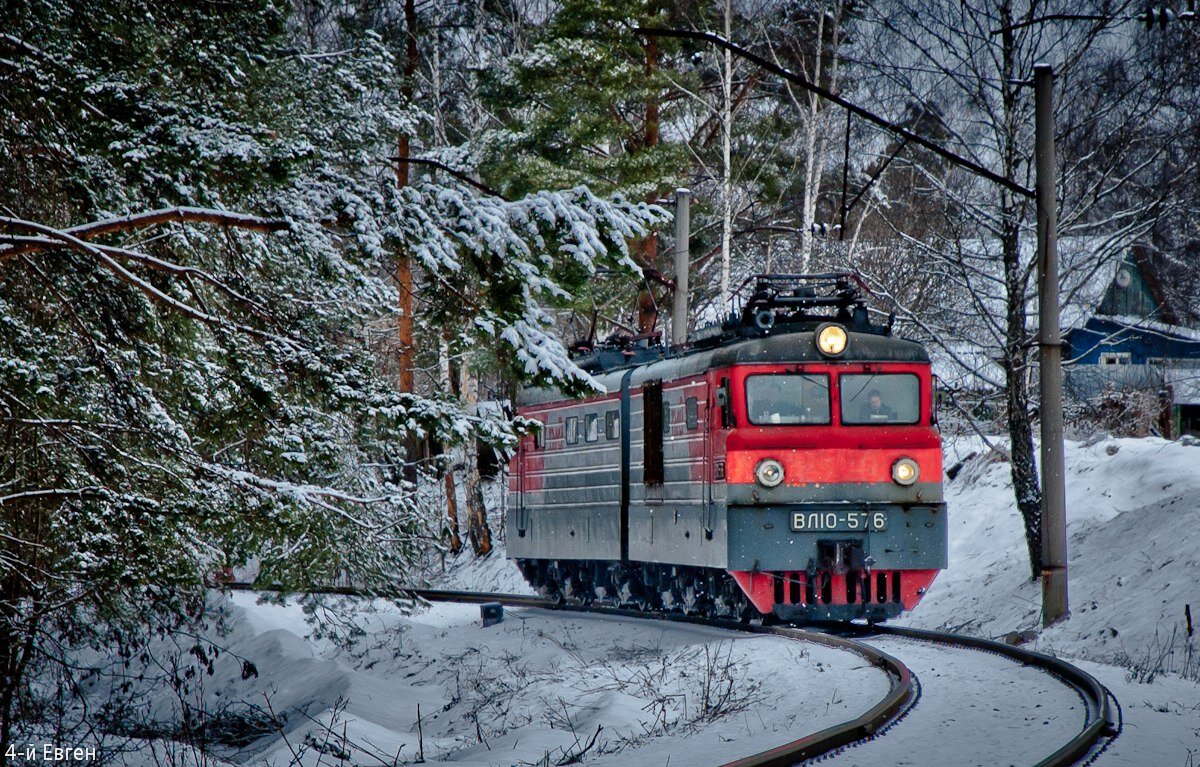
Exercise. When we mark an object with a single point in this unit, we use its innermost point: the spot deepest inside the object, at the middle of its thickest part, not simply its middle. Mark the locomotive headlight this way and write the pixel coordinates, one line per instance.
(831, 340)
(769, 472)
(905, 471)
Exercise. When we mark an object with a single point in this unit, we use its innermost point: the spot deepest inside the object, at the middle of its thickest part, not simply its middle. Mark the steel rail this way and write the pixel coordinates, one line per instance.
(902, 692)
(1098, 721)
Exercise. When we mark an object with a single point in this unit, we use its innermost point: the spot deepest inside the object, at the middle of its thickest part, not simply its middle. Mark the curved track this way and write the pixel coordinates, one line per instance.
(1097, 712)
(904, 688)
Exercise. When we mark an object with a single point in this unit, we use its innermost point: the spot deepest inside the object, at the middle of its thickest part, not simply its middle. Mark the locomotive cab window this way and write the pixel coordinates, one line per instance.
(880, 398)
(787, 399)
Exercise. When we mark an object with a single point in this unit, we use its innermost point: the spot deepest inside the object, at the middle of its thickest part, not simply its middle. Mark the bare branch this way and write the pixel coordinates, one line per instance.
(136, 221)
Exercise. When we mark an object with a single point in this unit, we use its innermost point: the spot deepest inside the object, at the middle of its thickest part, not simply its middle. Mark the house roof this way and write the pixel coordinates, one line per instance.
(1144, 325)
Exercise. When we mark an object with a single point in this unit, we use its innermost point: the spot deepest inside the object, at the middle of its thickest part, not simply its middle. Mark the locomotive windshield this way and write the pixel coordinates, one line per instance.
(887, 398)
(787, 399)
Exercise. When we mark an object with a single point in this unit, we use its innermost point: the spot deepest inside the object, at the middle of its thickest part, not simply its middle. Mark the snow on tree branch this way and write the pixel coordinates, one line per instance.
(136, 221)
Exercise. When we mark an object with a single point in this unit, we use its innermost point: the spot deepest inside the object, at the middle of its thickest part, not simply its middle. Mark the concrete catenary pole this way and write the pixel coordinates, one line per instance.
(1054, 501)
(683, 232)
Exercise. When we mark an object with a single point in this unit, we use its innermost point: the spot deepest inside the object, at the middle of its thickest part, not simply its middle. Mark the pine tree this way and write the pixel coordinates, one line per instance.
(200, 393)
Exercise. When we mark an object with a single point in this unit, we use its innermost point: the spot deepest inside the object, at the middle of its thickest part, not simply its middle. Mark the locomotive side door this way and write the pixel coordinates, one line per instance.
(718, 418)
(522, 458)
(706, 425)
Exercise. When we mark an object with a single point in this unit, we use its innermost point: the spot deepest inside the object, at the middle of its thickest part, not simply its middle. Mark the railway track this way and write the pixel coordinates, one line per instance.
(904, 689)
(1098, 729)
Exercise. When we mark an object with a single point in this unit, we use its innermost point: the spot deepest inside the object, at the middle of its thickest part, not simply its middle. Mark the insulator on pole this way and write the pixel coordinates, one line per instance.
(1157, 14)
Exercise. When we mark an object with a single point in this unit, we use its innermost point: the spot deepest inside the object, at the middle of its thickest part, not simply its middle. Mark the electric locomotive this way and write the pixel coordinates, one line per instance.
(786, 462)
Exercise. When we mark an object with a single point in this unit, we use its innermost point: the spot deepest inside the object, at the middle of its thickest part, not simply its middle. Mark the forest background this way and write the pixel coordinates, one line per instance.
(261, 263)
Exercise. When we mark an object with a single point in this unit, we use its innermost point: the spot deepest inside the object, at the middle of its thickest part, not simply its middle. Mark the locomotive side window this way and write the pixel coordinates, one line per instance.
(653, 414)
(880, 398)
(787, 399)
(591, 427)
(612, 424)
(692, 412)
(572, 430)
(725, 403)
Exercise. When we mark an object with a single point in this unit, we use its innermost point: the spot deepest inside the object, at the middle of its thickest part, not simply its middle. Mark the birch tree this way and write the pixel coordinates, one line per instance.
(971, 63)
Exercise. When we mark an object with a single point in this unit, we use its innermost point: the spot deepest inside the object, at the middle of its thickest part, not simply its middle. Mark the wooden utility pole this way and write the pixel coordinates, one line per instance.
(1054, 495)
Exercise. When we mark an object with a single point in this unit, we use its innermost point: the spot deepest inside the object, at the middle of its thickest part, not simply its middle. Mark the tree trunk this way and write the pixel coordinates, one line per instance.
(9, 662)
(647, 247)
(448, 478)
(404, 275)
(1026, 488)
(726, 165)
(477, 525)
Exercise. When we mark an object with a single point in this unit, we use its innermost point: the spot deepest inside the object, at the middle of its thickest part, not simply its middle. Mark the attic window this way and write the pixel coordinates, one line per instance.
(1116, 358)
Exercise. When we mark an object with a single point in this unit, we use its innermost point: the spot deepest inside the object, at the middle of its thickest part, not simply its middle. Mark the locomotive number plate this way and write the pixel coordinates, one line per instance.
(838, 521)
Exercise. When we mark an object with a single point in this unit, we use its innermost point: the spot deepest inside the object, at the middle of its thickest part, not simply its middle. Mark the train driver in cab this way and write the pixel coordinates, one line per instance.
(875, 410)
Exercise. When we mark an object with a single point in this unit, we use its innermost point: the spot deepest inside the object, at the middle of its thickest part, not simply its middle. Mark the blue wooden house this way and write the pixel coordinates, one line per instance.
(1131, 339)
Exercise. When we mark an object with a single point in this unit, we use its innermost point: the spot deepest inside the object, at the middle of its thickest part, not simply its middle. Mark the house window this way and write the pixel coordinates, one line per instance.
(1116, 358)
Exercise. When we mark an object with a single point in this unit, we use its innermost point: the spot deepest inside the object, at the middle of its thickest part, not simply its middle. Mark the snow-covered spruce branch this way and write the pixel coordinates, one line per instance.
(28, 495)
(305, 493)
(151, 262)
(100, 254)
(187, 271)
(133, 221)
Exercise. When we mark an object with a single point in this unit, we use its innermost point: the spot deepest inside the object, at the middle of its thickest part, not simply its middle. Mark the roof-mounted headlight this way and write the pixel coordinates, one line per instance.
(831, 339)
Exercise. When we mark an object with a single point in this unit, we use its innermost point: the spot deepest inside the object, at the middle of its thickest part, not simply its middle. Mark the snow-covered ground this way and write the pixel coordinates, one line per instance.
(537, 688)
(1133, 525)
